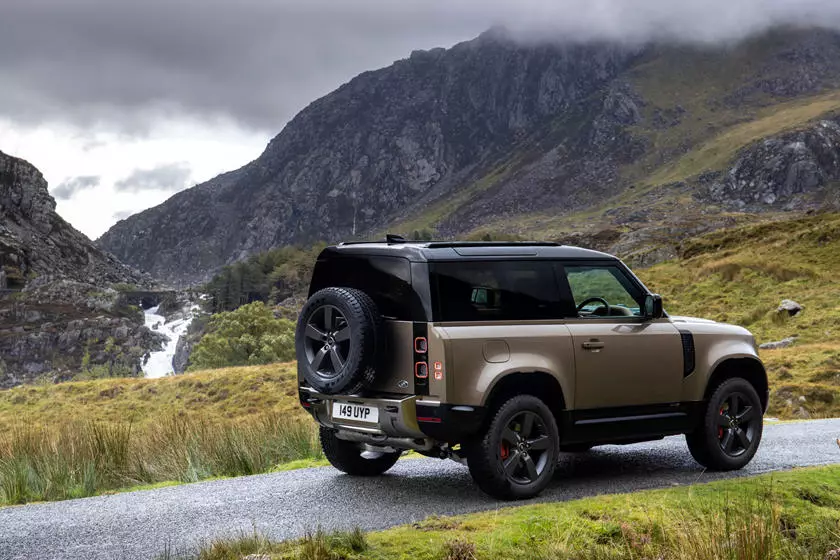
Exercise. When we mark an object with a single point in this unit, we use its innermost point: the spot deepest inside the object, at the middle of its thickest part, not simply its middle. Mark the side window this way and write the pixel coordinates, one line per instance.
(494, 291)
(603, 290)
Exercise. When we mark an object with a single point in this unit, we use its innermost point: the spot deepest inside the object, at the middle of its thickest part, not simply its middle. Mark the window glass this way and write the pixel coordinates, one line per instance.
(387, 280)
(494, 291)
(601, 291)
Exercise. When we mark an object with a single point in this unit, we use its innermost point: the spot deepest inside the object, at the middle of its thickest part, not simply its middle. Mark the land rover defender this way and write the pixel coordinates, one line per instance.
(504, 355)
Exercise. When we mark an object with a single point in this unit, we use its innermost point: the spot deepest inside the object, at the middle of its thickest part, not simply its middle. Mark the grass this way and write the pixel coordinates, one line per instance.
(84, 438)
(791, 515)
(216, 395)
(80, 458)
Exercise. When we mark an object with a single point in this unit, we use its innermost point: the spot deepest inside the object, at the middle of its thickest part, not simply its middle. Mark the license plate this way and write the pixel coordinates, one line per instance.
(355, 412)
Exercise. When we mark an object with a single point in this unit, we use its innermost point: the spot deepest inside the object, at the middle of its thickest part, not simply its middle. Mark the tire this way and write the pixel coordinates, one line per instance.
(338, 336)
(502, 445)
(349, 458)
(725, 441)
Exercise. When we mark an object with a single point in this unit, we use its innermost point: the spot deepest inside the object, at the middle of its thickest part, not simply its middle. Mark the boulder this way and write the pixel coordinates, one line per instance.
(784, 343)
(790, 307)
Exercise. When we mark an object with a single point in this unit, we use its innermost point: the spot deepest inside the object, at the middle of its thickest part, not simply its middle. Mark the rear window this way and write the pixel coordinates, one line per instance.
(387, 280)
(494, 290)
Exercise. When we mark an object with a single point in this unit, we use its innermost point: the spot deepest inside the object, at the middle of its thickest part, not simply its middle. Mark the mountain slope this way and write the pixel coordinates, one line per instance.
(34, 240)
(491, 131)
(58, 311)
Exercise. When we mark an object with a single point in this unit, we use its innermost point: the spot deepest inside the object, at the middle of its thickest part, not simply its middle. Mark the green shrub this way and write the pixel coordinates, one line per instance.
(249, 335)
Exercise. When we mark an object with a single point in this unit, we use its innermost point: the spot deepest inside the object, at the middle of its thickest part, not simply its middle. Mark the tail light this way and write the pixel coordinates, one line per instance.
(421, 345)
(421, 370)
(438, 371)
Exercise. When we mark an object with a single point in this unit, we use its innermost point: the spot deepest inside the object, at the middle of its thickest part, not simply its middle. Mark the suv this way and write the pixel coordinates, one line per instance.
(503, 355)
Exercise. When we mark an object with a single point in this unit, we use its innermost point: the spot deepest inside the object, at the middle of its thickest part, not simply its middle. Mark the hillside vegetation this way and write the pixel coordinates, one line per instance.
(741, 275)
(792, 515)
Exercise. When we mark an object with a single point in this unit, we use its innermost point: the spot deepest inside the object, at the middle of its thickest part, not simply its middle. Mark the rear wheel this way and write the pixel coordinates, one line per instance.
(731, 427)
(350, 458)
(517, 456)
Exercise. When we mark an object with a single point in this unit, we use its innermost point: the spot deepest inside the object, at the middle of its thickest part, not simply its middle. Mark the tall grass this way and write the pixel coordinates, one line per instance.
(79, 459)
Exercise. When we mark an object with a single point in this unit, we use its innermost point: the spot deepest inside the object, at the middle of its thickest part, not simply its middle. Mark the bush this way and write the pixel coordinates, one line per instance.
(249, 335)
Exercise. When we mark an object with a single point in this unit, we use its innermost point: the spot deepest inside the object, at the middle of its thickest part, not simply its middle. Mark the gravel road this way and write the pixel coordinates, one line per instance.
(283, 505)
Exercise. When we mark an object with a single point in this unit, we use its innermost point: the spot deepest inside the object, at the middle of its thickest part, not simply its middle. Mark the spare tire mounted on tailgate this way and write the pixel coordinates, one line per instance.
(338, 332)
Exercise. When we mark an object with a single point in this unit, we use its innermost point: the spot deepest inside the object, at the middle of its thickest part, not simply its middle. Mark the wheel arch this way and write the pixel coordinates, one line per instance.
(746, 367)
(540, 384)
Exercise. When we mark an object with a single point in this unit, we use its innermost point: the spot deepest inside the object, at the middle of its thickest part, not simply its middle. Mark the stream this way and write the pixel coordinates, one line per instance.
(159, 363)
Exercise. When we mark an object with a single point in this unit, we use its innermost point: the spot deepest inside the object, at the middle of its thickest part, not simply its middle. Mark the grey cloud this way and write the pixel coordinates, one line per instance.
(257, 62)
(168, 177)
(67, 188)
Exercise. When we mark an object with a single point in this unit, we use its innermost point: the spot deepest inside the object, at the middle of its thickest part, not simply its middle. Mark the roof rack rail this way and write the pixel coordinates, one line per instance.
(390, 239)
(448, 244)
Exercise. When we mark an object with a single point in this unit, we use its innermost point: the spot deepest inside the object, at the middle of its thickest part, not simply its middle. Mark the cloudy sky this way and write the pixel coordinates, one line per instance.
(122, 103)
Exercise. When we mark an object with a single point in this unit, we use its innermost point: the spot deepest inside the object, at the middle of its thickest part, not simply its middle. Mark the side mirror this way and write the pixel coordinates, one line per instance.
(653, 307)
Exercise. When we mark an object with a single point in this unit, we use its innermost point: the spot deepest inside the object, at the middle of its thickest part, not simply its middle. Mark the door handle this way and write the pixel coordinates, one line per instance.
(593, 345)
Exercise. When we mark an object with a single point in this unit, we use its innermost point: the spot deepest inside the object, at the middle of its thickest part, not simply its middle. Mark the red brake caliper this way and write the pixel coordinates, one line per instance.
(720, 428)
(505, 450)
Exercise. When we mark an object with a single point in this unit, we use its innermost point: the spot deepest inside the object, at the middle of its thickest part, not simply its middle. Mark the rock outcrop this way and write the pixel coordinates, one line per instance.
(59, 313)
(796, 170)
(34, 240)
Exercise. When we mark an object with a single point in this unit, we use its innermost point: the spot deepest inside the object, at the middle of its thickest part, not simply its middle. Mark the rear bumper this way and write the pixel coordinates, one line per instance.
(408, 416)
(397, 415)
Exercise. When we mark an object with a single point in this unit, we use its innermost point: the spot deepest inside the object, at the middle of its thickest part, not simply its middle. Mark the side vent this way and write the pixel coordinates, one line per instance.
(688, 352)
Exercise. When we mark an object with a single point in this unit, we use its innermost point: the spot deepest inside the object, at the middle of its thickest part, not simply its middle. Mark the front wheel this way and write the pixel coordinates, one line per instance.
(350, 458)
(516, 457)
(730, 430)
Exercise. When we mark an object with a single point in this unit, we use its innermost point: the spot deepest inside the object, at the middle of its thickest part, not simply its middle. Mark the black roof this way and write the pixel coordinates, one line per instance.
(422, 251)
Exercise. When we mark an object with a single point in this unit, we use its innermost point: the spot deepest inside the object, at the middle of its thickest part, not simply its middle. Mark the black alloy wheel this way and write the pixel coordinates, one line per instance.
(327, 340)
(737, 424)
(524, 448)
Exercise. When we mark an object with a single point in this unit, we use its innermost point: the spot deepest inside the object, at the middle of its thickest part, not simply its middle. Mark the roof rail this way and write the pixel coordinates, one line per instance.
(448, 244)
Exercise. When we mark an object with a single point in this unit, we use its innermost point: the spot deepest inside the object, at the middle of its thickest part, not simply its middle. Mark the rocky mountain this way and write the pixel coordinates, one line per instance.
(37, 242)
(65, 304)
(631, 146)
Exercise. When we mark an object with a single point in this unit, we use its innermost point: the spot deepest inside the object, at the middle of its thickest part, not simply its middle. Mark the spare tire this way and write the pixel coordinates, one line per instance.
(337, 338)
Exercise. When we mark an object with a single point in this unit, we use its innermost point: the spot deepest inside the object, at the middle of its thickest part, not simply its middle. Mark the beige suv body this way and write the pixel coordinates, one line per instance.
(463, 329)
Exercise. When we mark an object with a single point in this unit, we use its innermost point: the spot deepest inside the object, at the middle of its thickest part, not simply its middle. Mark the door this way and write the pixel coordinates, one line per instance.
(621, 359)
